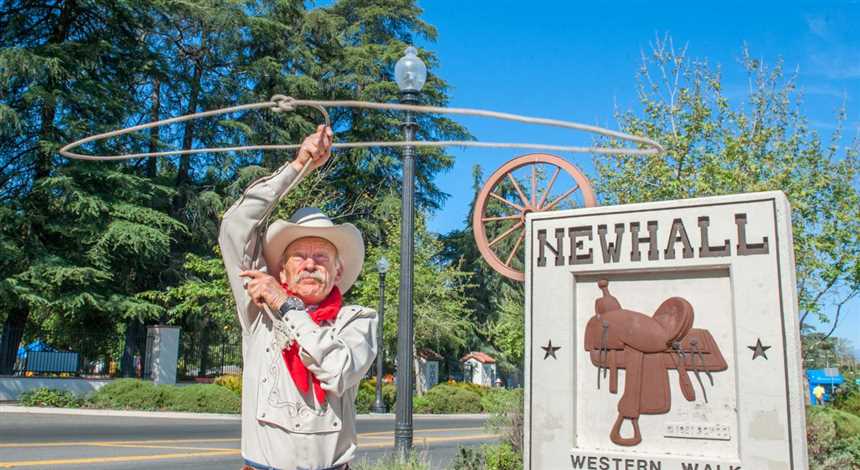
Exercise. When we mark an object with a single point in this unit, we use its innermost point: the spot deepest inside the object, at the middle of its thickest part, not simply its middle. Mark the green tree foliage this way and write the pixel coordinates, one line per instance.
(442, 320)
(758, 142)
(88, 236)
(109, 247)
(497, 302)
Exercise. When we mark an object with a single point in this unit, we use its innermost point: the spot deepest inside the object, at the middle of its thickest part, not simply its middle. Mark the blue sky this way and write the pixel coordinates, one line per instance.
(578, 61)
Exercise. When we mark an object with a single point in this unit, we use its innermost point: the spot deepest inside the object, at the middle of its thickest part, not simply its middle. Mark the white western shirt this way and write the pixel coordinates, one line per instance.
(281, 427)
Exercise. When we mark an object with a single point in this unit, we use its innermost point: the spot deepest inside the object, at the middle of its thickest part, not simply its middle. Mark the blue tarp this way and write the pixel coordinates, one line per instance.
(827, 378)
(35, 346)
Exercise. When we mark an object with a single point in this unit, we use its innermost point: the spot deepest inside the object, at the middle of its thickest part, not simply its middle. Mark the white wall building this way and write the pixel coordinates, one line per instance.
(479, 368)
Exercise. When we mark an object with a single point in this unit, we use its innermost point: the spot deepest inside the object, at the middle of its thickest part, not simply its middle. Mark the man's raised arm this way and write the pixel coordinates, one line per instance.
(243, 227)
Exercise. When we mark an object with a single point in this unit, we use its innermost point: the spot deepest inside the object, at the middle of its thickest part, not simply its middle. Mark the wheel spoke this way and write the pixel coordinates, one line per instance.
(504, 217)
(560, 198)
(548, 187)
(506, 233)
(516, 245)
(500, 198)
(534, 185)
(519, 191)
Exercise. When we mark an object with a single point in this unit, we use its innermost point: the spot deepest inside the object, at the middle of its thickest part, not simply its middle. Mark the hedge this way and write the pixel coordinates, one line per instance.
(833, 438)
(134, 394)
(44, 396)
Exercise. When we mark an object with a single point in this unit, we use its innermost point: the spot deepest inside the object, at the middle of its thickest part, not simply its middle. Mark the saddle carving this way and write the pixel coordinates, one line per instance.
(647, 347)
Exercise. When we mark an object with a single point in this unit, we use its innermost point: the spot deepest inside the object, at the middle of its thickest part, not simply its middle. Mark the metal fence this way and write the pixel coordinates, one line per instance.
(202, 354)
(207, 354)
(72, 353)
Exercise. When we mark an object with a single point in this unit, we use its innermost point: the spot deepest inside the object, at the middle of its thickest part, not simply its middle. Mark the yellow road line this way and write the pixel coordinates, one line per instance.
(189, 441)
(129, 458)
(209, 452)
(92, 443)
(417, 431)
(432, 440)
(138, 446)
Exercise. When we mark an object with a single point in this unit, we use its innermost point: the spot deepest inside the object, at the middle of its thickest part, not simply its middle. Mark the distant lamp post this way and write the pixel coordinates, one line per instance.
(410, 73)
(382, 266)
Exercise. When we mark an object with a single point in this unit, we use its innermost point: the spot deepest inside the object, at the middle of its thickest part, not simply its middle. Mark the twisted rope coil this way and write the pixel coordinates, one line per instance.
(281, 103)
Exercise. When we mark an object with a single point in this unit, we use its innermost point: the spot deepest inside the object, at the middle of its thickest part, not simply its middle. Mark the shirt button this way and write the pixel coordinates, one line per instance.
(265, 379)
(263, 415)
(267, 349)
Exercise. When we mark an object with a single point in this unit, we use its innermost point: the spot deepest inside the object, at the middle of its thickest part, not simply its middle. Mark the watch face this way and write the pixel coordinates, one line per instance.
(294, 303)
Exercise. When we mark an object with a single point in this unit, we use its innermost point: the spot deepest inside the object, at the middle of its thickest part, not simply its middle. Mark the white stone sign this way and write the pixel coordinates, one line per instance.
(664, 336)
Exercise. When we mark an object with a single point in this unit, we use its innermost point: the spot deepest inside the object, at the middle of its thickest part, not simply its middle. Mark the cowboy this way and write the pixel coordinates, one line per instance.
(304, 352)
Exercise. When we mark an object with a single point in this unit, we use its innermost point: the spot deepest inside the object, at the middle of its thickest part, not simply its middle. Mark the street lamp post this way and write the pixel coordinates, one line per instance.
(382, 267)
(410, 74)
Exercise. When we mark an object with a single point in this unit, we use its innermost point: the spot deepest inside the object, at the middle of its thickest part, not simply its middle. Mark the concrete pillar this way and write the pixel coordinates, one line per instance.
(165, 350)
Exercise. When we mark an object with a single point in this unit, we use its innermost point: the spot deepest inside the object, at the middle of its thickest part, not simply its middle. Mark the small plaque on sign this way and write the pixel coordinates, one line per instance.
(718, 432)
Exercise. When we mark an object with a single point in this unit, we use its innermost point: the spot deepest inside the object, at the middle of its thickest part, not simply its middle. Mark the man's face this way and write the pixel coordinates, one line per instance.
(311, 269)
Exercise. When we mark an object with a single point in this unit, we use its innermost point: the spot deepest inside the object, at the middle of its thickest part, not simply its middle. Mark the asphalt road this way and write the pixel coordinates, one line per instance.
(48, 441)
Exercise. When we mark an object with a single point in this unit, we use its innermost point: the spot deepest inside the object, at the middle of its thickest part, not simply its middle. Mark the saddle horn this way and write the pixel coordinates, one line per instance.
(608, 302)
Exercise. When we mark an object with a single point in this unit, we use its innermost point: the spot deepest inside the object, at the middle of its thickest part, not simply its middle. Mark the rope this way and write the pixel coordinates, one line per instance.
(281, 103)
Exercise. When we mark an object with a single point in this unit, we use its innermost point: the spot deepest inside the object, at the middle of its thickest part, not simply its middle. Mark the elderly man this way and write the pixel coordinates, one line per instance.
(304, 352)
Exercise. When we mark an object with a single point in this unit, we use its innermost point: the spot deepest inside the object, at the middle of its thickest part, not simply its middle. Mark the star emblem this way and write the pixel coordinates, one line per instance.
(759, 349)
(550, 350)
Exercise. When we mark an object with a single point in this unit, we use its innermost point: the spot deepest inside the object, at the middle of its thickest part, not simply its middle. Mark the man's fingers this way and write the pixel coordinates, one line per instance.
(252, 273)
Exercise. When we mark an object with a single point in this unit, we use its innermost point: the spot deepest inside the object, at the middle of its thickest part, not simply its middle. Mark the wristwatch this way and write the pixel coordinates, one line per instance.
(292, 303)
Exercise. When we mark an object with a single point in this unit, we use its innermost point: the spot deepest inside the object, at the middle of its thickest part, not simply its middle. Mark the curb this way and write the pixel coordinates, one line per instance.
(201, 416)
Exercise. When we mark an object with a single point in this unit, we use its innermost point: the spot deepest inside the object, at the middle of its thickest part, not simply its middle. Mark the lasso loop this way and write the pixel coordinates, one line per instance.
(284, 104)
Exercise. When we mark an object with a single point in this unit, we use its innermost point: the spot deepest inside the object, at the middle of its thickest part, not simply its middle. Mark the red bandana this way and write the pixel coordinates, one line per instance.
(327, 311)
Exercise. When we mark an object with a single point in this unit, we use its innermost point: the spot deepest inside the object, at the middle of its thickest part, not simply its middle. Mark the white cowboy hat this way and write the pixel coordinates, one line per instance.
(311, 222)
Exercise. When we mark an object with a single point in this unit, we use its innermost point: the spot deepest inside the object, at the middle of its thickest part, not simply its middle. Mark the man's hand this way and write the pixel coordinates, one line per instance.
(264, 289)
(316, 149)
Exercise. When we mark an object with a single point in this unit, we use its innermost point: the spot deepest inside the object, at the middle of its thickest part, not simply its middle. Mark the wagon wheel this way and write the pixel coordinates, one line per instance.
(502, 204)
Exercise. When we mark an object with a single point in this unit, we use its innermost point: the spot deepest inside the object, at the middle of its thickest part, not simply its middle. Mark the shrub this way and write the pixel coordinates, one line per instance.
(445, 398)
(833, 438)
(501, 400)
(44, 396)
(367, 396)
(415, 461)
(133, 394)
(232, 382)
(420, 404)
(848, 399)
(469, 386)
(205, 398)
(468, 458)
(501, 457)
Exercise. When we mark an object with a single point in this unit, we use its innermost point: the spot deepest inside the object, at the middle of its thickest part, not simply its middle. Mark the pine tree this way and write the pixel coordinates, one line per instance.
(66, 69)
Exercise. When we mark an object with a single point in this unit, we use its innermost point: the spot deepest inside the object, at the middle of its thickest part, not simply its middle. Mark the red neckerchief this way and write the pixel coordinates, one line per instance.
(327, 311)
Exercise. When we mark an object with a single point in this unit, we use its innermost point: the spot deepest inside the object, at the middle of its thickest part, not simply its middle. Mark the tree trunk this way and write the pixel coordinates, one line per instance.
(152, 163)
(204, 350)
(182, 175)
(132, 336)
(13, 331)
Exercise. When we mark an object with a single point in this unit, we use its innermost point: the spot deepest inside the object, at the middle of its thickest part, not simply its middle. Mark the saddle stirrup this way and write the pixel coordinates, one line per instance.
(615, 435)
(603, 353)
(693, 355)
(694, 343)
